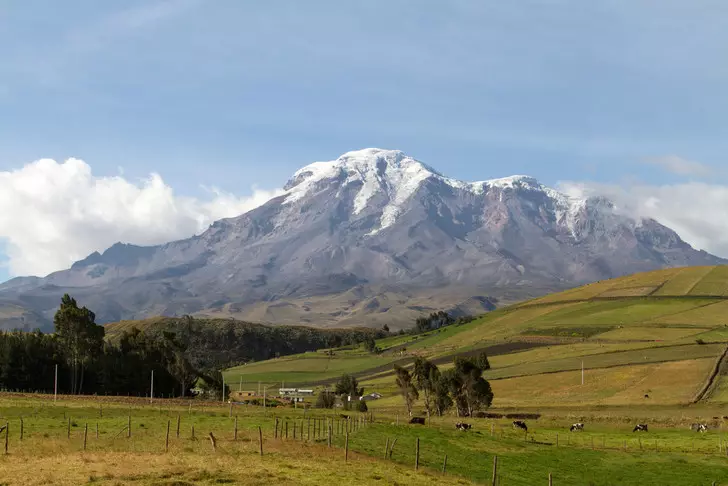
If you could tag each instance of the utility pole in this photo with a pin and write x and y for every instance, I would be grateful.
(55, 386)
(151, 389)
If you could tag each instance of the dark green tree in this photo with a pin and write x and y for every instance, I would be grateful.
(425, 375)
(481, 361)
(348, 385)
(325, 399)
(469, 390)
(406, 387)
(79, 336)
(441, 395)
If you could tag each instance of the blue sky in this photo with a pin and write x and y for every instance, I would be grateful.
(234, 94)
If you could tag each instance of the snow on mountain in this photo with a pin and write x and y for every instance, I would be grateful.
(398, 176)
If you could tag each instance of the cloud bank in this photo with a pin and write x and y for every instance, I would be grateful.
(697, 211)
(53, 214)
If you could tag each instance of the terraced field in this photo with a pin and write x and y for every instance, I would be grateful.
(659, 331)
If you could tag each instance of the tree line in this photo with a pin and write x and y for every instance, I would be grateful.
(182, 352)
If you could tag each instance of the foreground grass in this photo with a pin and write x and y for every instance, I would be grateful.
(607, 453)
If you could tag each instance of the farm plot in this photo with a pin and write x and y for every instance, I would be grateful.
(665, 383)
(713, 283)
(606, 360)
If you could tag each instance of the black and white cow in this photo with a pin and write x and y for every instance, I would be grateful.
(417, 420)
(463, 426)
(577, 427)
(517, 424)
(699, 427)
(640, 428)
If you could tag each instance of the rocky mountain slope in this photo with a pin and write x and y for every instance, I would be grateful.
(373, 237)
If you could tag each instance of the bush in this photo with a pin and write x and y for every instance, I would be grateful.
(325, 399)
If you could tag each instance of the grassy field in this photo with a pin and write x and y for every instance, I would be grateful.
(606, 453)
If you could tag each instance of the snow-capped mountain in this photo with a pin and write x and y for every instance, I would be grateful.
(372, 237)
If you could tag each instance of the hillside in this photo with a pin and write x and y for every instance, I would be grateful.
(372, 237)
(657, 334)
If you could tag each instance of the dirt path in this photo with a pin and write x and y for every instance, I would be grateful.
(703, 393)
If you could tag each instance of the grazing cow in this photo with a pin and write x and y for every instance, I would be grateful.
(640, 428)
(520, 425)
(647, 396)
(417, 420)
(699, 427)
(575, 427)
(463, 426)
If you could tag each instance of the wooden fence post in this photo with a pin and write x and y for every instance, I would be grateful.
(286, 429)
(444, 465)
(213, 442)
(386, 448)
(495, 470)
(330, 433)
(166, 440)
(391, 449)
(308, 429)
(68, 429)
(294, 429)
(193, 432)
(21, 428)
(231, 410)
(550, 480)
(260, 439)
(128, 426)
(97, 431)
(7, 433)
(178, 421)
(346, 448)
(85, 435)
(417, 454)
(276, 433)
(235, 434)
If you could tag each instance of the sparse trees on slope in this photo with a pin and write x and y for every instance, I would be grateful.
(406, 387)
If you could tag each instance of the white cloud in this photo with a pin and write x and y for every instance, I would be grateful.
(52, 214)
(695, 210)
(680, 166)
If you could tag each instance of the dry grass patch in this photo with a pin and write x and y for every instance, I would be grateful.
(288, 464)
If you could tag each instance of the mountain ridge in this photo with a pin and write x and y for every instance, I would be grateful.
(372, 225)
